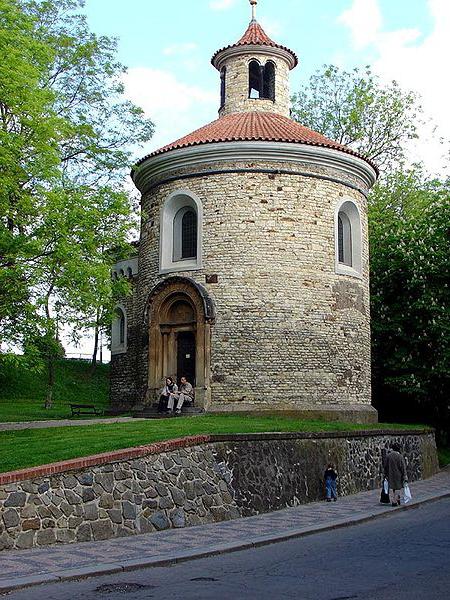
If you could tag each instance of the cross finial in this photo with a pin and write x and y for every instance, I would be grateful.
(253, 5)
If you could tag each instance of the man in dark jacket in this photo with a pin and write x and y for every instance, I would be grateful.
(395, 472)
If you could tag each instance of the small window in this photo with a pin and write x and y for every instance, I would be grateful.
(223, 74)
(345, 240)
(119, 332)
(129, 272)
(348, 239)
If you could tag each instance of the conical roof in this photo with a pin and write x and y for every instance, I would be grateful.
(255, 36)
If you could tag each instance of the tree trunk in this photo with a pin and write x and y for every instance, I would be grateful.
(50, 382)
(96, 335)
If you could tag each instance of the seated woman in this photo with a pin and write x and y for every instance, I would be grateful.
(167, 396)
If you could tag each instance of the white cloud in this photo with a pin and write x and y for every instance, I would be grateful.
(364, 20)
(180, 48)
(175, 107)
(415, 60)
(272, 27)
(222, 4)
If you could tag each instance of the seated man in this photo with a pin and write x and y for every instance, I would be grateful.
(185, 394)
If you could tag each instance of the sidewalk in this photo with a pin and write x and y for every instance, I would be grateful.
(15, 425)
(73, 561)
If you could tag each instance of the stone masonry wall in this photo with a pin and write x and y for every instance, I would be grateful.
(190, 482)
(236, 87)
(290, 331)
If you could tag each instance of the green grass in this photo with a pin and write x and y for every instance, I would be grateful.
(444, 456)
(31, 447)
(22, 392)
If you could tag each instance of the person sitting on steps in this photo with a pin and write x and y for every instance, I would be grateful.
(168, 393)
(185, 394)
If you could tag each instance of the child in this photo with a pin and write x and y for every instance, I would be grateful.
(330, 477)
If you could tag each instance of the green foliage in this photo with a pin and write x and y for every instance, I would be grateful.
(23, 389)
(357, 110)
(30, 447)
(66, 141)
(409, 219)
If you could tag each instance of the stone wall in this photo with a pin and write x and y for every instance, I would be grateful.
(189, 482)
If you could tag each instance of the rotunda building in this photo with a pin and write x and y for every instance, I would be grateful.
(252, 272)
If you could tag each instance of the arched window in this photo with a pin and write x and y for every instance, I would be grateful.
(129, 272)
(261, 80)
(185, 234)
(269, 81)
(348, 239)
(223, 73)
(119, 331)
(180, 233)
(344, 239)
(255, 80)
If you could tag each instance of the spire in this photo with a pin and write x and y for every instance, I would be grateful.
(253, 4)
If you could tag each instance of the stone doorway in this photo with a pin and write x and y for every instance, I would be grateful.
(180, 314)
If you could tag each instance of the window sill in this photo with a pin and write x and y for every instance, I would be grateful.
(182, 265)
(342, 269)
(118, 350)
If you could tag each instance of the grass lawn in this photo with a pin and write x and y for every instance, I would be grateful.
(31, 447)
(22, 393)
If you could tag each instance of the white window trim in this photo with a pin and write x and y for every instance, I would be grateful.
(354, 216)
(116, 346)
(177, 200)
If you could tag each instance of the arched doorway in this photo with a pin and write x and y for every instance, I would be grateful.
(180, 314)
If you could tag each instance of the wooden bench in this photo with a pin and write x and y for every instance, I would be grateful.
(85, 409)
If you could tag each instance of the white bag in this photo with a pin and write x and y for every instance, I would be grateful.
(386, 486)
(406, 493)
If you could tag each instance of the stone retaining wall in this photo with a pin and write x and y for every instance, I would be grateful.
(196, 480)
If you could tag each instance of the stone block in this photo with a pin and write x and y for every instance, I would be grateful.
(84, 533)
(45, 537)
(128, 510)
(160, 521)
(31, 524)
(91, 511)
(11, 518)
(15, 499)
(25, 539)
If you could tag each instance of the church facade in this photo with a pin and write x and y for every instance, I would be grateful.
(252, 271)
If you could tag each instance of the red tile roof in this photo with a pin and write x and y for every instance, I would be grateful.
(253, 126)
(256, 36)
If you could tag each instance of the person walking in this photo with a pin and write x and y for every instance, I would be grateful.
(395, 472)
(330, 477)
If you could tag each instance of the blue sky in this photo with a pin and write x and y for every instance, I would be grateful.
(167, 47)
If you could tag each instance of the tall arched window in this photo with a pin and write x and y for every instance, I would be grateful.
(261, 80)
(269, 81)
(180, 233)
(255, 80)
(348, 239)
(121, 318)
(223, 73)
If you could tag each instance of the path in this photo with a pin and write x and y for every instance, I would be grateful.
(14, 425)
(57, 563)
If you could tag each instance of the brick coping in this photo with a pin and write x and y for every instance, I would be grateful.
(195, 440)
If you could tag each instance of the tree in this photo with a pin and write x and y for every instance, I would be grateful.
(409, 217)
(67, 136)
(355, 109)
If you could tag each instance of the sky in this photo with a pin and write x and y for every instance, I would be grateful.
(167, 47)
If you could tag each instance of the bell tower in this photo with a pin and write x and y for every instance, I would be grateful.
(254, 73)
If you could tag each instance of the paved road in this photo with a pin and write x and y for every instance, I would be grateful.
(405, 556)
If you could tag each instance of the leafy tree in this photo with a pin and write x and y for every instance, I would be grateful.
(357, 110)
(409, 219)
(66, 141)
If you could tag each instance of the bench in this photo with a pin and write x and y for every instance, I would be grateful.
(85, 409)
